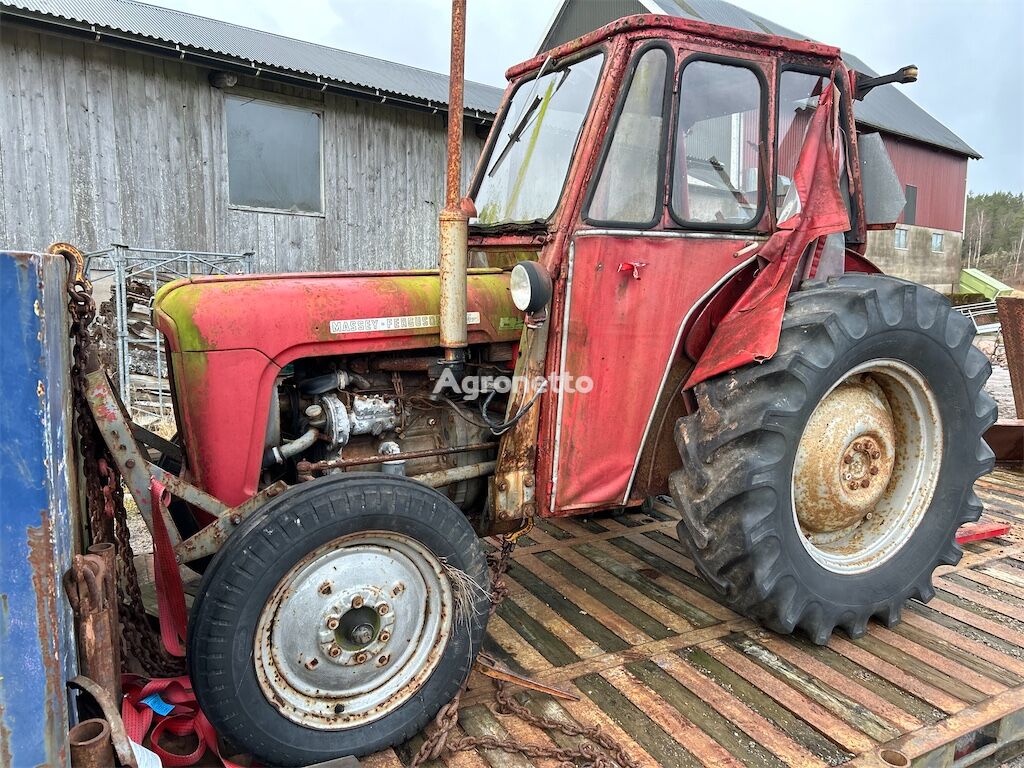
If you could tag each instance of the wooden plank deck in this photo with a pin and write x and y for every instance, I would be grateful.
(611, 608)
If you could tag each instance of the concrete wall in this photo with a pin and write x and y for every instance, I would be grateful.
(918, 262)
(101, 145)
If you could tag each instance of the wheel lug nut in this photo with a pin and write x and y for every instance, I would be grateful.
(334, 651)
(853, 486)
(383, 660)
(875, 454)
(357, 602)
(332, 623)
(383, 609)
(385, 636)
(361, 658)
(873, 470)
(865, 483)
(847, 459)
(856, 446)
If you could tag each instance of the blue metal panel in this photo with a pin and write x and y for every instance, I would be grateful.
(36, 522)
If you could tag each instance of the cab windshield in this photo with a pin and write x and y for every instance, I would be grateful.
(535, 141)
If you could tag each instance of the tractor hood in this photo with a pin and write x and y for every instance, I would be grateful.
(297, 315)
(229, 338)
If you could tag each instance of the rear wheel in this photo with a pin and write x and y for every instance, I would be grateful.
(824, 486)
(338, 619)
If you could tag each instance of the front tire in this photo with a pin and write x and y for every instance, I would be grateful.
(338, 619)
(824, 486)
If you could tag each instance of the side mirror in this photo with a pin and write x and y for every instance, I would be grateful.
(865, 84)
(883, 193)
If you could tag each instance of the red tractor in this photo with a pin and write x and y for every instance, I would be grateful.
(657, 285)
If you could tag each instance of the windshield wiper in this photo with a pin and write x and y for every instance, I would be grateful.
(524, 122)
(517, 132)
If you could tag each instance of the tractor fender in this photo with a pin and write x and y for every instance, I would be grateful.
(721, 304)
(715, 307)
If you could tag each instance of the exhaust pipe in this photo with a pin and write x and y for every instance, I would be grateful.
(454, 219)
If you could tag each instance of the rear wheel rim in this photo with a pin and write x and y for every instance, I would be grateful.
(867, 466)
(353, 630)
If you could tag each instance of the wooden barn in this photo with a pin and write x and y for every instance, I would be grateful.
(122, 122)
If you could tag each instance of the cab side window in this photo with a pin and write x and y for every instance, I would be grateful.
(717, 179)
(799, 93)
(798, 99)
(630, 179)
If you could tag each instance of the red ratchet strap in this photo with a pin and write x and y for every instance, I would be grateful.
(184, 719)
(170, 595)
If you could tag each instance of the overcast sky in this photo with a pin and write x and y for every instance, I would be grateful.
(966, 49)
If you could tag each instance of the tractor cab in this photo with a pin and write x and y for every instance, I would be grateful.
(659, 124)
(643, 166)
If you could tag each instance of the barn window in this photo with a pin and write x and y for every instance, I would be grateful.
(716, 175)
(937, 239)
(901, 239)
(910, 209)
(274, 156)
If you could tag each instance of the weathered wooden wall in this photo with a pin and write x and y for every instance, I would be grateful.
(100, 145)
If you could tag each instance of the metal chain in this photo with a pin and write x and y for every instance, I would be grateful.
(104, 495)
(595, 750)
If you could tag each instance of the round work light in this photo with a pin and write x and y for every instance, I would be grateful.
(530, 286)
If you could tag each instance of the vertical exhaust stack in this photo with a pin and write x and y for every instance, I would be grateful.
(454, 222)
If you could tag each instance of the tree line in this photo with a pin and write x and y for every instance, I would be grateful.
(994, 236)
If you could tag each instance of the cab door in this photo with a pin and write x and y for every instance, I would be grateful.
(680, 190)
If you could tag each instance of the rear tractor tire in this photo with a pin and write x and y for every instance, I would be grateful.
(822, 487)
(338, 619)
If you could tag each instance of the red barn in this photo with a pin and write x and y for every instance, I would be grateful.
(930, 160)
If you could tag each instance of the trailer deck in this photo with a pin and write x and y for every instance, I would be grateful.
(610, 608)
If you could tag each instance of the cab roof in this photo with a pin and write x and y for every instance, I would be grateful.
(672, 26)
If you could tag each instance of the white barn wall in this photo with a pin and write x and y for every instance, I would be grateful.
(100, 145)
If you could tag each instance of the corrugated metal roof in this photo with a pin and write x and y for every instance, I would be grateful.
(260, 48)
(887, 108)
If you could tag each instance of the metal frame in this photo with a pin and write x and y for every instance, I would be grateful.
(123, 263)
(138, 473)
(983, 309)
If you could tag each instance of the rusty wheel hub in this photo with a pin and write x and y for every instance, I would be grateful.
(353, 630)
(866, 466)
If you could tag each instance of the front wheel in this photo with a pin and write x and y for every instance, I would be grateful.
(824, 486)
(338, 619)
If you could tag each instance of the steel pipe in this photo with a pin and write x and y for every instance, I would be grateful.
(87, 589)
(305, 467)
(445, 477)
(453, 221)
(90, 744)
(106, 552)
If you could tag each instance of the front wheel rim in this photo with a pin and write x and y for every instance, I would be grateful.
(353, 630)
(867, 466)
